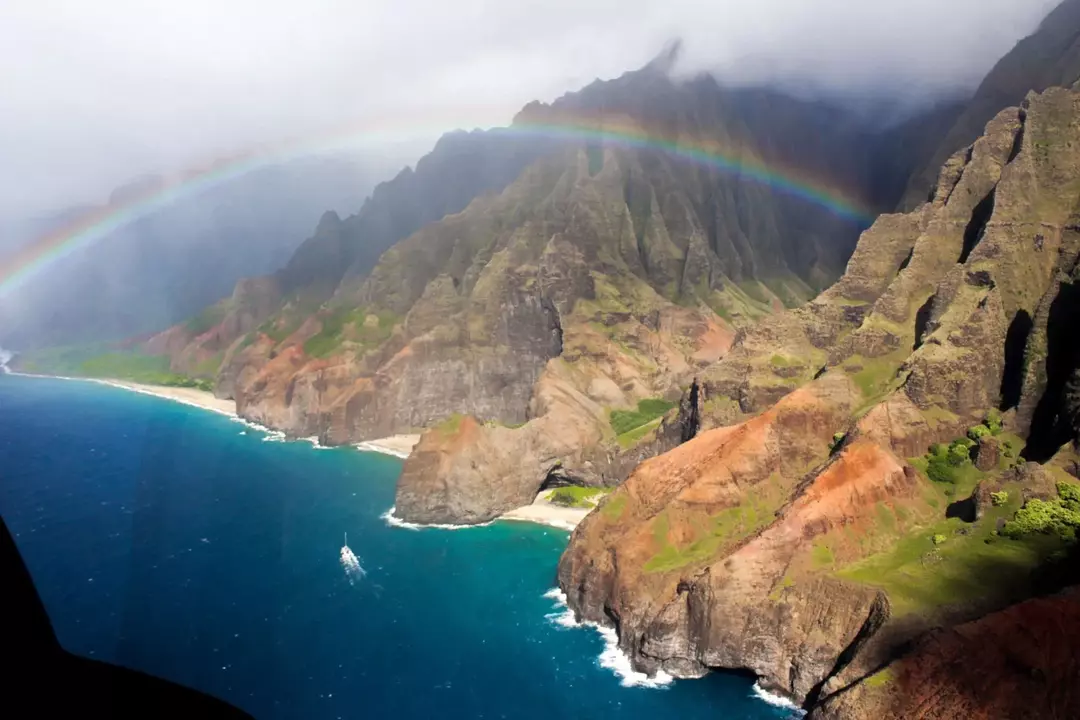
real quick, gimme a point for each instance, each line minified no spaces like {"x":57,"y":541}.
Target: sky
{"x":95,"y":93}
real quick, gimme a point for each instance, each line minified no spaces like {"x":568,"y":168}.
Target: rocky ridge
{"x":759,"y":544}
{"x":604,"y":274}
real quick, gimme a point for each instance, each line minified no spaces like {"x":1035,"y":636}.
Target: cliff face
{"x":808,"y":537}
{"x":1020,"y":663}
{"x":575,"y":270}
{"x":1049,"y":57}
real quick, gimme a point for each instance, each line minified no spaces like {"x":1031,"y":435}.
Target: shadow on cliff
{"x":1050,"y":425}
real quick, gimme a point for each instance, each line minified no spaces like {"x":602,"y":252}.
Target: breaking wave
{"x":611,"y":657}
{"x":777,"y":701}
{"x":394,"y":521}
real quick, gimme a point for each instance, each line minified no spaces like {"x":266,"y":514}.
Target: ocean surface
{"x":191,"y":546}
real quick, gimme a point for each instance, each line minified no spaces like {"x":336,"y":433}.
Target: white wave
{"x":611,"y":657}
{"x":314,"y":440}
{"x":394,"y":521}
{"x":5,"y":358}
{"x":351,"y":564}
{"x":777,"y":700}
{"x":377,"y":448}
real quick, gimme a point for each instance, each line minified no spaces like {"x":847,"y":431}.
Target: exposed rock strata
{"x":710,"y":556}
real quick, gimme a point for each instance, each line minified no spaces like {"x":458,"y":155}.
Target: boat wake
{"x":350,"y":563}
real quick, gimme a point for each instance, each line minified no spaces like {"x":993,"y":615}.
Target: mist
{"x":97,"y":93}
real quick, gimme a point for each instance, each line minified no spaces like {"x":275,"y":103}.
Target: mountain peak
{"x":665,"y":61}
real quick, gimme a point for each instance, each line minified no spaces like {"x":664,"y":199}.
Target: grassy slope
{"x":98,"y":361}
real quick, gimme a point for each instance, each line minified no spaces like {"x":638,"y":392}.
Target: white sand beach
{"x":396,"y":445}
{"x":189,"y":396}
{"x":544,"y":512}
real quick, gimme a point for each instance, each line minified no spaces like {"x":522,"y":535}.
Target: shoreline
{"x":544,"y":513}
{"x":539,"y":512}
{"x":398,"y":446}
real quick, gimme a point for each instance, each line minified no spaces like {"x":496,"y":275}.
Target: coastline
{"x":544,"y":512}
{"x":188,"y":396}
{"x":547,"y":514}
{"x":541,"y":511}
{"x":398,"y":446}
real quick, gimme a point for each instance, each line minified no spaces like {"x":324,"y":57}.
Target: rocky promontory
{"x":812,"y":539}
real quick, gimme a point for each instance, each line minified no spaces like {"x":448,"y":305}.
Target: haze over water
{"x":182,"y":543}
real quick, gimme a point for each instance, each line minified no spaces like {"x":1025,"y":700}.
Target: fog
{"x":94,"y":93}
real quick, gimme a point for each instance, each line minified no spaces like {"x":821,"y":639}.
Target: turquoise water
{"x":180,"y":542}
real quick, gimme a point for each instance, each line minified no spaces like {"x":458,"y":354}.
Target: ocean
{"x":189,"y":545}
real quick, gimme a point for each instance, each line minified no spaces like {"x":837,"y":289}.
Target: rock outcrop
{"x":574,"y":271}
{"x":1018,"y":663}
{"x":754,"y":546}
{"x":1049,"y":57}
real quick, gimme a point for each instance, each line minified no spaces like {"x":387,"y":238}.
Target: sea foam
{"x":394,"y":521}
{"x":777,"y":701}
{"x":611,"y":657}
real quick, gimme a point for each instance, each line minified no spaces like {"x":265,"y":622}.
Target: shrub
{"x":939,"y":539}
{"x":939,"y":470}
{"x":1070,"y":496}
{"x":993,"y":421}
{"x":977,"y":432}
{"x":1060,"y":516}
{"x":997,"y":499}
{"x":960,"y":452}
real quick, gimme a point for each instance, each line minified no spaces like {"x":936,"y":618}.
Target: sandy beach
{"x":543,"y":512}
{"x":396,"y":445}
{"x":188,"y":396}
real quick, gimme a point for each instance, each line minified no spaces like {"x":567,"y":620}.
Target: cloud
{"x":94,"y":93}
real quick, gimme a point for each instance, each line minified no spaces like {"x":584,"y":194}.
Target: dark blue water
{"x":176,"y":541}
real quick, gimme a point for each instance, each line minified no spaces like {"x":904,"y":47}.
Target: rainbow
{"x":38,"y":255}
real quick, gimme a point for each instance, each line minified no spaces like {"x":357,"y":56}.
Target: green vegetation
{"x":451,"y":425}
{"x":780,"y":361}
{"x":822,"y":555}
{"x":100,"y":361}
{"x":714,"y":532}
{"x":879,"y":679}
{"x":951,"y":562}
{"x":613,"y":508}
{"x":997,"y":499}
{"x":623,"y":421}
{"x":950,"y":464}
{"x":1059,"y":517}
{"x":208,"y":318}
{"x":368,"y":329}
{"x":577,"y":497}
{"x":633,"y":437}
{"x":991,"y":425}
{"x":277,"y":329}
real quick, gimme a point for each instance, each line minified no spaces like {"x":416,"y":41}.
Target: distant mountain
{"x":1049,"y":57}
{"x":874,"y":480}
{"x":628,"y":229}
{"x":164,"y":267}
